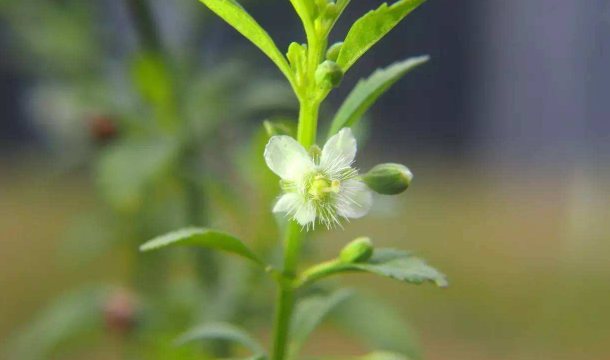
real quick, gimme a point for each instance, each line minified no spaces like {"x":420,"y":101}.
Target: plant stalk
{"x":285,"y":291}
{"x":306,"y":136}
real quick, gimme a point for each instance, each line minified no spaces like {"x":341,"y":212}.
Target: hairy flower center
{"x":320,"y":187}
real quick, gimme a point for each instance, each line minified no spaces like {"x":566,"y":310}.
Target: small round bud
{"x":328,"y":74}
{"x":103,"y":128}
{"x":120,"y":312}
{"x":388,"y":179}
{"x":332,"y":53}
{"x":358,"y":250}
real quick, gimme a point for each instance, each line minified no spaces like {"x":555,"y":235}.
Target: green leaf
{"x":377,"y":324}
{"x":400,"y":265}
{"x":371,"y":27}
{"x":236,"y":16}
{"x":310,"y":312}
{"x":368,"y":90}
{"x":202,"y":237}
{"x":305,"y":9}
{"x":223,"y":331}
{"x":391,"y":263}
{"x":152,"y":79}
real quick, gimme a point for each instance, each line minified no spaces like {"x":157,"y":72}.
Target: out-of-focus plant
{"x":151,"y":122}
{"x":320,"y":186}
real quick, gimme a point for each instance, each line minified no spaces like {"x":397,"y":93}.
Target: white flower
{"x":324,"y":186}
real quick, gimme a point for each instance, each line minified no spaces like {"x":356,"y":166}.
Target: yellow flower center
{"x":320,"y":187}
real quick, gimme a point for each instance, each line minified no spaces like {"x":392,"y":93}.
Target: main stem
{"x":285,"y":292}
{"x":306,"y":135}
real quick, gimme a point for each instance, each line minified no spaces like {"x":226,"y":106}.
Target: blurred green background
{"x":506,"y":131}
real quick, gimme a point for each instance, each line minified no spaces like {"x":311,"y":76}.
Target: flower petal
{"x":287,"y":203}
{"x":287,"y":158}
{"x":355,"y":199}
{"x":305,"y":214}
{"x":339,"y":151}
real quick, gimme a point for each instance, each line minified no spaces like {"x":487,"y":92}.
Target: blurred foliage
{"x":146,"y":123}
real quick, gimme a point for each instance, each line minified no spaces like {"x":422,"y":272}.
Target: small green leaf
{"x":236,"y":16}
{"x":391,"y":263}
{"x":202,"y":237}
{"x":371,"y":27}
{"x":368,"y":90}
{"x":310,"y":312}
{"x":223,"y":331}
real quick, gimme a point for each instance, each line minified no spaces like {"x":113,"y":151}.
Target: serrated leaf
{"x":202,"y":237}
{"x":377,"y":324}
{"x":310,"y":313}
{"x":368,"y":90}
{"x":370,"y":28}
{"x":401,"y":265}
{"x":223,"y":331}
{"x":236,"y":16}
{"x":391,"y":263}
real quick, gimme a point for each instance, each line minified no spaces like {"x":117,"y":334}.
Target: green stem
{"x":285,"y":292}
{"x":310,"y":100}
{"x":308,"y":124}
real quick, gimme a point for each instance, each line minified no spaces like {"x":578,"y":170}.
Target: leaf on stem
{"x":310,"y":313}
{"x":223,"y":331}
{"x":368,"y":90}
{"x":236,"y":16}
{"x":401,"y":265}
{"x":202,"y":237}
{"x":391,"y":263}
{"x":371,"y":27}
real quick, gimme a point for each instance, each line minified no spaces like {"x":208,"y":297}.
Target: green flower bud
{"x":332,"y":53}
{"x":388,"y":179}
{"x":358,"y":250}
{"x":328,"y":74}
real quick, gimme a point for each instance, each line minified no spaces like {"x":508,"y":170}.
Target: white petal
{"x":287,"y":158}
{"x":355,"y":199}
{"x":339,"y":151}
{"x":305,"y":214}
{"x":287,"y":203}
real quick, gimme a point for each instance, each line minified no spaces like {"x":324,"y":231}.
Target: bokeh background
{"x":507,"y":130}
